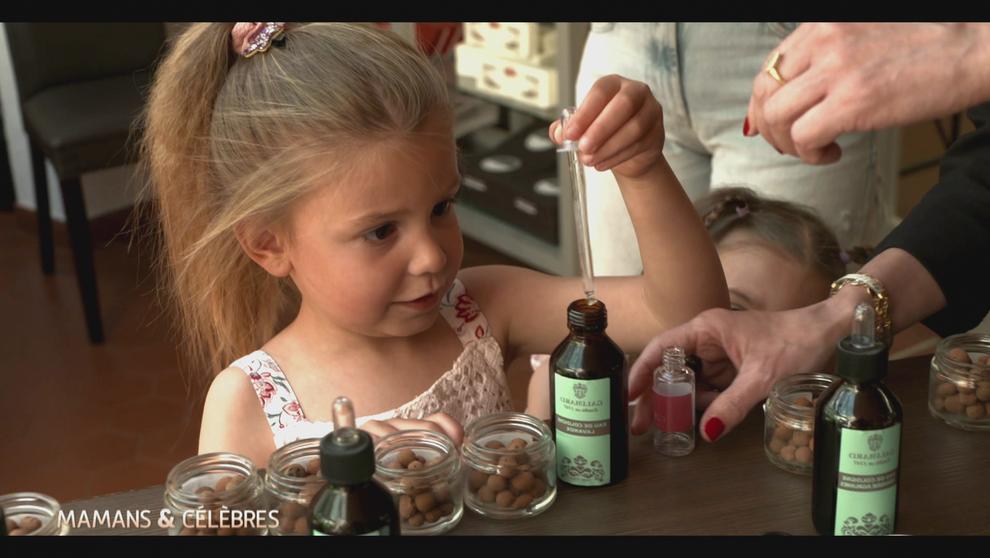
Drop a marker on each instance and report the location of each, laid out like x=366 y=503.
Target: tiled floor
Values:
x=81 y=420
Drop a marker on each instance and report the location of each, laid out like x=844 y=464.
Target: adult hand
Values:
x=745 y=353
x=843 y=78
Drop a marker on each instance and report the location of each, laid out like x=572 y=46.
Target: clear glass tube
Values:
x=344 y=432
x=673 y=405
x=579 y=188
x=864 y=324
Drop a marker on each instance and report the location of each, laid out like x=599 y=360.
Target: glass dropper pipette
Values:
x=576 y=171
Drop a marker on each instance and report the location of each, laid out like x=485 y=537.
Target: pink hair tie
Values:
x=742 y=210
x=252 y=37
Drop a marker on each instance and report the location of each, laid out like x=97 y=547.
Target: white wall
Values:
x=104 y=191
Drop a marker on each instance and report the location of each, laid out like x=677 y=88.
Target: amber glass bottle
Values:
x=857 y=440
x=590 y=417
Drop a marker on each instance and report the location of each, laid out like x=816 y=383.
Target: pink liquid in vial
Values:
x=673 y=411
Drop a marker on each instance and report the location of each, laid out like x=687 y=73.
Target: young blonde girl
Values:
x=311 y=249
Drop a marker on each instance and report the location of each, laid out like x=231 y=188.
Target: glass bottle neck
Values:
x=674 y=365
x=673 y=359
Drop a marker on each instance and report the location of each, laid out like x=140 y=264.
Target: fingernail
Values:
x=746 y=126
x=714 y=428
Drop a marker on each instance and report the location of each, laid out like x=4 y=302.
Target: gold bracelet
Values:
x=881 y=302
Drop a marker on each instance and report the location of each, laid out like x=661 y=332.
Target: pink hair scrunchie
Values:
x=251 y=37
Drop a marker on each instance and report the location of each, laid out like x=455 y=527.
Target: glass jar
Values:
x=789 y=424
x=510 y=466
x=216 y=494
x=959 y=381
x=422 y=470
x=292 y=479
x=41 y=511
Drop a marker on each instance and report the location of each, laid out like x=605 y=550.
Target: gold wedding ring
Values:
x=772 y=68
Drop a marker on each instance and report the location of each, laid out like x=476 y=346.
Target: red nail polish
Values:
x=746 y=126
x=714 y=428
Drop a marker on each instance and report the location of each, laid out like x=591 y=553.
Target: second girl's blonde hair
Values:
x=233 y=141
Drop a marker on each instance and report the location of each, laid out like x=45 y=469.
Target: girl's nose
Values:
x=428 y=256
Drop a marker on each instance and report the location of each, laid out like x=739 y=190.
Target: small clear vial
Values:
x=673 y=405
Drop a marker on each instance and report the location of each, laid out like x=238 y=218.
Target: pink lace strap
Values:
x=463 y=314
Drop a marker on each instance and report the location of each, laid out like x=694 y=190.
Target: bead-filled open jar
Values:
x=216 y=494
x=510 y=466
x=959 y=382
x=422 y=469
x=789 y=425
x=293 y=478
x=32 y=513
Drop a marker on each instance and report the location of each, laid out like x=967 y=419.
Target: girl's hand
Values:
x=439 y=422
x=619 y=126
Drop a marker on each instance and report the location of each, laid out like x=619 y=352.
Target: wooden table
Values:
x=730 y=487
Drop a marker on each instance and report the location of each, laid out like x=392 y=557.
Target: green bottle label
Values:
x=583 y=416
x=866 y=499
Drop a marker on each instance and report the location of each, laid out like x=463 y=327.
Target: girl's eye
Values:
x=442 y=208
x=735 y=307
x=381 y=233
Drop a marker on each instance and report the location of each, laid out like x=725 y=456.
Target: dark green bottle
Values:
x=589 y=401
x=857 y=440
x=352 y=502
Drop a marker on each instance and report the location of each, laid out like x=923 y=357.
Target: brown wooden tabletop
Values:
x=730 y=487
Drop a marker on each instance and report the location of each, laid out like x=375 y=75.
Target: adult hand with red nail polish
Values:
x=842 y=78
x=743 y=354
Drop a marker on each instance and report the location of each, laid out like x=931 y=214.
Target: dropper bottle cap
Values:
x=861 y=356
x=347 y=454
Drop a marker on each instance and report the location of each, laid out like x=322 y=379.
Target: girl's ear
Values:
x=267 y=247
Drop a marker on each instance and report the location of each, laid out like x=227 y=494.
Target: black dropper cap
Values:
x=347 y=456
x=587 y=315
x=862 y=357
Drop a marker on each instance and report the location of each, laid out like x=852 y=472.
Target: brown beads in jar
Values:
x=959 y=381
x=789 y=425
x=216 y=494
x=32 y=514
x=422 y=470
x=293 y=479
x=509 y=462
